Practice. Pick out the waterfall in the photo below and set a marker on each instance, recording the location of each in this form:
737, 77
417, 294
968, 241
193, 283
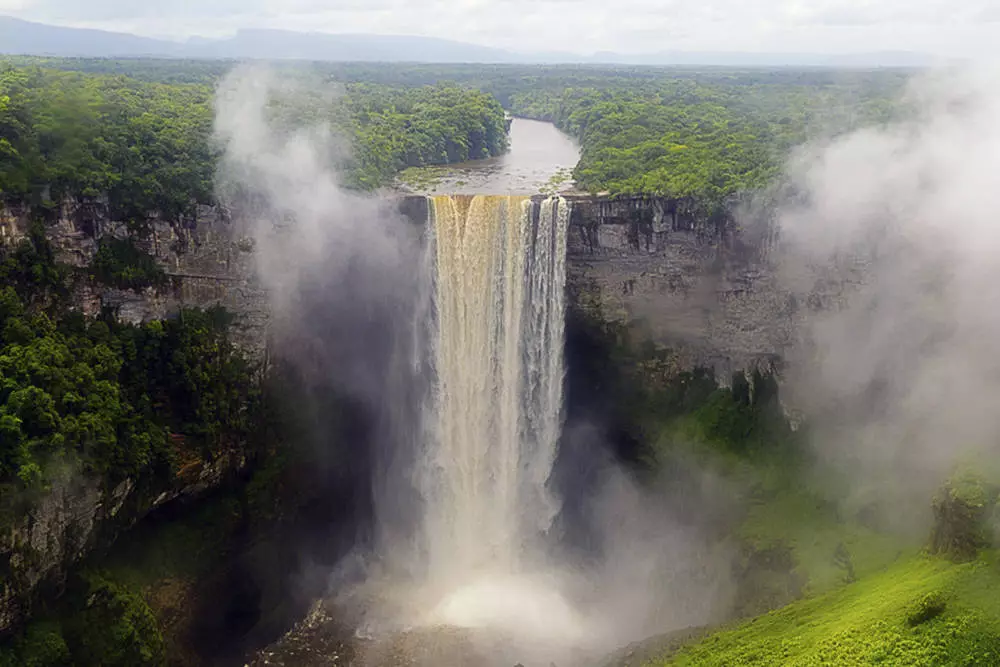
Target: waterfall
500, 271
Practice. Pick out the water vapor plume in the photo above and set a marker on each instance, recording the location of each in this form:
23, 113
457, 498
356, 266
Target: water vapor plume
893, 239
343, 274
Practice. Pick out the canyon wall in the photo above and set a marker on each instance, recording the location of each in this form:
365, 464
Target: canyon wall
702, 288
207, 265
206, 260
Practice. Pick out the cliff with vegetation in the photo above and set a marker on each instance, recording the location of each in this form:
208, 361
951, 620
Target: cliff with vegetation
104, 419
134, 355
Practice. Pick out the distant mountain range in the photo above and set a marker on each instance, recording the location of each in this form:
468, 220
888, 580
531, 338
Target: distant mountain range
27, 38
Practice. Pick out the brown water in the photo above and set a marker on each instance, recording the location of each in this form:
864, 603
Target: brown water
540, 160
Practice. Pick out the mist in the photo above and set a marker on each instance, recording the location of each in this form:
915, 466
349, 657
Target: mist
886, 238
343, 273
349, 284
891, 240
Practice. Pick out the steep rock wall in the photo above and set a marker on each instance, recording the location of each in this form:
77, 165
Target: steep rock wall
703, 288
207, 261
208, 265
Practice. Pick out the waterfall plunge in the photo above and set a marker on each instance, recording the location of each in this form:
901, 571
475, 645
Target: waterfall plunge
499, 275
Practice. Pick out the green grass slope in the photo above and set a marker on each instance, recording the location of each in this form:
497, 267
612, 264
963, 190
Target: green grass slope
920, 611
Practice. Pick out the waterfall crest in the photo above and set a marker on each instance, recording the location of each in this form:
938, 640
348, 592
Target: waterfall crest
499, 277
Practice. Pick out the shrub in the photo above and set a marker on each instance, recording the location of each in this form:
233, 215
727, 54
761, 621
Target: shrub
41, 645
114, 628
120, 263
962, 512
926, 608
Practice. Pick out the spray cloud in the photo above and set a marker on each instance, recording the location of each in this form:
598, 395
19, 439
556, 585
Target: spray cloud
343, 274
895, 230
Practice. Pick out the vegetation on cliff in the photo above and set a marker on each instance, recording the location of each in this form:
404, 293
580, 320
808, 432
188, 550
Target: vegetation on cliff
104, 395
121, 263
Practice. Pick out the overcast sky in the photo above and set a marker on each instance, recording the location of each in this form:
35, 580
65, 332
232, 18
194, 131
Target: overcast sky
940, 27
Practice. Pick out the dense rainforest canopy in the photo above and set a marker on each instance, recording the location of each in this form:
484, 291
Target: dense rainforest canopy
140, 128
147, 145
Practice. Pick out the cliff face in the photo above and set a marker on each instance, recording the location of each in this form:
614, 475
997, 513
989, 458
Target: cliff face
702, 288
42, 536
52, 532
207, 261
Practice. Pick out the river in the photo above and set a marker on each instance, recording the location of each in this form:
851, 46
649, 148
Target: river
540, 160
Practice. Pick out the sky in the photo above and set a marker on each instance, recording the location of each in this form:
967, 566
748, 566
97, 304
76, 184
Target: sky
950, 28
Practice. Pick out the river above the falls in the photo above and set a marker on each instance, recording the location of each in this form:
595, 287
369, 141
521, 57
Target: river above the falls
540, 160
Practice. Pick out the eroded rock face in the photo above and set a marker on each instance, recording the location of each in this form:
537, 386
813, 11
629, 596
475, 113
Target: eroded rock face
206, 259
698, 286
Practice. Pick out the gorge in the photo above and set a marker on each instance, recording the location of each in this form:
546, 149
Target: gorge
497, 422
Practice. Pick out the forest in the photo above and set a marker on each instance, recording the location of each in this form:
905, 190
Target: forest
146, 146
701, 133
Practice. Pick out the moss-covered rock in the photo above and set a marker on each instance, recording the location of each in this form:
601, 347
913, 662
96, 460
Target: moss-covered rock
963, 514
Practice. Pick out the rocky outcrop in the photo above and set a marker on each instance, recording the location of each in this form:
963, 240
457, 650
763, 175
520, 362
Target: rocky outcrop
206, 260
43, 536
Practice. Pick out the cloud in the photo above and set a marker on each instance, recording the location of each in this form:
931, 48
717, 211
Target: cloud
903, 373
583, 26
847, 13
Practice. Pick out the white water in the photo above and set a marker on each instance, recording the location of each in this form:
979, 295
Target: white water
499, 283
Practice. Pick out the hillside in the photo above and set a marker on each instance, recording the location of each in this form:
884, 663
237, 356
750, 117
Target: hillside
921, 611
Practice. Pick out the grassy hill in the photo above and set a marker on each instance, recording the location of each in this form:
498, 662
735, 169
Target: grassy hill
920, 611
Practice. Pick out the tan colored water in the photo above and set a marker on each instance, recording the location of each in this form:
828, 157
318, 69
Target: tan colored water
540, 160
499, 362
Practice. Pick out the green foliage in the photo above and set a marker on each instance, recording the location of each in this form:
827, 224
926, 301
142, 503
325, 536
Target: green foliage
103, 623
29, 269
106, 394
112, 626
928, 607
746, 416
680, 131
146, 145
396, 129
119, 262
963, 510
705, 135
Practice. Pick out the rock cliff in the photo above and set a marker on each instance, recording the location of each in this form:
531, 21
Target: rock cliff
207, 261
701, 287
207, 265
